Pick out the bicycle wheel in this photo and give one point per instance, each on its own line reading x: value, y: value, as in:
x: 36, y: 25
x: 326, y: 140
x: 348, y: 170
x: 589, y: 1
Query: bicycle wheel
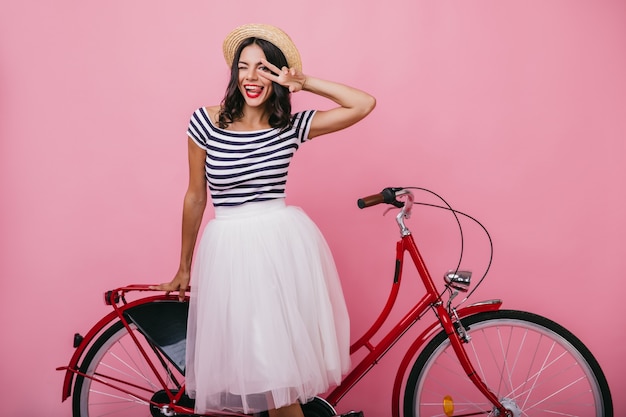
x: 535, y: 366
x: 115, y: 359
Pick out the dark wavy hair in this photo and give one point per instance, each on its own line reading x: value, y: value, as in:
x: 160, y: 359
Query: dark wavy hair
x: 278, y: 104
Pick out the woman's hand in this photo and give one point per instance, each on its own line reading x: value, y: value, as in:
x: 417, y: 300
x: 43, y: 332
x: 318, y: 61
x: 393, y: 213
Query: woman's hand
x: 291, y: 78
x: 354, y: 104
x: 180, y: 283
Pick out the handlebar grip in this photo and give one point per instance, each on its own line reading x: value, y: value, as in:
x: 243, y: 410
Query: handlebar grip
x: 370, y: 201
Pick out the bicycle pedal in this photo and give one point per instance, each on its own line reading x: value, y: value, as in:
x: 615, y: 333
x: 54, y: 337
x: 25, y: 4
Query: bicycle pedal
x: 352, y: 414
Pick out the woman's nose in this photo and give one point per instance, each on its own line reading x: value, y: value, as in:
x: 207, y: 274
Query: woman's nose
x: 251, y: 74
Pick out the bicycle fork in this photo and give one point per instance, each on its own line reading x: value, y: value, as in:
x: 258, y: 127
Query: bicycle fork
x: 458, y: 336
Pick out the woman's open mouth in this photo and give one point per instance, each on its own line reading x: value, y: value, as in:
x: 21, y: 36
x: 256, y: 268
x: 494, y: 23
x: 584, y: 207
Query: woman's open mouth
x: 253, y: 91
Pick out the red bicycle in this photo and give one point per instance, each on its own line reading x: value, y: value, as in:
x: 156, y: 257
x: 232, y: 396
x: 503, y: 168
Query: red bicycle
x: 474, y: 360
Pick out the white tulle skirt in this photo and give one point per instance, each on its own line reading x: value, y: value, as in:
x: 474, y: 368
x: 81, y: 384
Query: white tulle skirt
x: 268, y: 324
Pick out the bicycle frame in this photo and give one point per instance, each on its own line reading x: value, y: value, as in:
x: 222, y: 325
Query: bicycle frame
x: 376, y: 352
x: 431, y: 299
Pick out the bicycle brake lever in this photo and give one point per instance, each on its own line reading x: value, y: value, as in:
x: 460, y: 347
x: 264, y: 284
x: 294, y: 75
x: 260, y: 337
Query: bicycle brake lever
x: 399, y: 205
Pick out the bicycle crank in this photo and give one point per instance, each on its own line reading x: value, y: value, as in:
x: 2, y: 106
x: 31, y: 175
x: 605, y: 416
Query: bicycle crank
x: 161, y: 397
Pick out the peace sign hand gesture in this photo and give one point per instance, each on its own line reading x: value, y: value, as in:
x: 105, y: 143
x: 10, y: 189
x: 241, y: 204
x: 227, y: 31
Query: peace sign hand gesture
x: 291, y: 78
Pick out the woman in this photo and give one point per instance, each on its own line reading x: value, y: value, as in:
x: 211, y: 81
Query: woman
x: 268, y: 327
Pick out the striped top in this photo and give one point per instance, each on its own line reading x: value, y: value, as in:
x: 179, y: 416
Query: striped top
x: 247, y: 166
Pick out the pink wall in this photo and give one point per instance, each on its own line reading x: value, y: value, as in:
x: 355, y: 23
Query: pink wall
x: 513, y: 110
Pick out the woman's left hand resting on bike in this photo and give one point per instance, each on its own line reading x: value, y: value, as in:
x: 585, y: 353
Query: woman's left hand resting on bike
x: 180, y: 283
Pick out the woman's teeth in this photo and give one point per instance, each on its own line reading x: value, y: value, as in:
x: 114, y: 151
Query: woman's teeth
x: 253, y: 90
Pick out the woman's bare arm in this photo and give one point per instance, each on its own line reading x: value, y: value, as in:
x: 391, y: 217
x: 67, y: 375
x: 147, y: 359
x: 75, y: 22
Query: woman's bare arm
x: 193, y: 210
x: 353, y: 104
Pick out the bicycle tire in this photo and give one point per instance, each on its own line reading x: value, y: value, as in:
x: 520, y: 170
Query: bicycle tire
x: 116, y: 355
x: 534, y: 366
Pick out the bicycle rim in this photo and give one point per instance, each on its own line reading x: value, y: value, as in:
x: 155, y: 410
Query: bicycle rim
x: 533, y: 365
x: 116, y: 359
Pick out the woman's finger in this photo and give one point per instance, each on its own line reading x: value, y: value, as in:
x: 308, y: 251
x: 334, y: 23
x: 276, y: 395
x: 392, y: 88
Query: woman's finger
x: 269, y: 76
x: 167, y: 287
x: 159, y: 287
x: 271, y: 66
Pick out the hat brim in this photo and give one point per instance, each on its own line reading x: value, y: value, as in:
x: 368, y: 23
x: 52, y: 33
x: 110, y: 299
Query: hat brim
x: 266, y: 32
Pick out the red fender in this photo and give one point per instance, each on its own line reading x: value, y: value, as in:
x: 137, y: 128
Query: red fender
x: 491, y: 305
x: 73, y: 366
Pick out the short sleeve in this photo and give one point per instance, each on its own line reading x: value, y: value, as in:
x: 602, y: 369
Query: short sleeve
x: 302, y: 124
x: 198, y: 128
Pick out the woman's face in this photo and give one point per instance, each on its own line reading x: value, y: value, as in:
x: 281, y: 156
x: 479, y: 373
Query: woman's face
x: 254, y: 88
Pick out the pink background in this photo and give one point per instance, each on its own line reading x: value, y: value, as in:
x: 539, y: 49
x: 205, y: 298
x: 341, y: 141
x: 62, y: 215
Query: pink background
x: 515, y: 111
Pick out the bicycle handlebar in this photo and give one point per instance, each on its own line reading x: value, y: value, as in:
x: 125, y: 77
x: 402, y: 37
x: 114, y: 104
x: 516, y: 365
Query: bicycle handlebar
x: 390, y: 196
x: 387, y: 196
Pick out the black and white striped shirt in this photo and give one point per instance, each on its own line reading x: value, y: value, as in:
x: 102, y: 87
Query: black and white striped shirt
x: 247, y: 166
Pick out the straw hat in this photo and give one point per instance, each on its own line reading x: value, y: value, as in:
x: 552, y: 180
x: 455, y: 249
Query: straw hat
x: 266, y: 32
